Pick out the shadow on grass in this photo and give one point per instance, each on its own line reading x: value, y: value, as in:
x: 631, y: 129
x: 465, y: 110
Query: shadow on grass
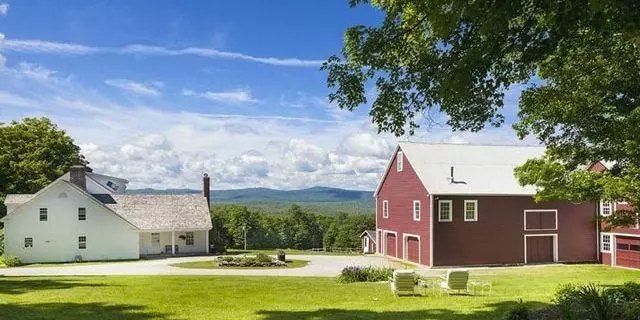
x: 20, y: 286
x: 76, y: 311
x: 492, y: 311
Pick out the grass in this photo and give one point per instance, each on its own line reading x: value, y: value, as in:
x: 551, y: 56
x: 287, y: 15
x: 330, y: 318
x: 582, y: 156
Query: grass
x: 212, y: 264
x: 288, y: 298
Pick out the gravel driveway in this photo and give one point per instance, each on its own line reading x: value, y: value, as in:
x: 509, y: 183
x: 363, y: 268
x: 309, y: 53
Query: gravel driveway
x: 319, y: 266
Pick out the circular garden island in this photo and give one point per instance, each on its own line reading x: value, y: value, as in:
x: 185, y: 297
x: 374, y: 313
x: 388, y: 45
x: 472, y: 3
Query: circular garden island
x: 259, y: 261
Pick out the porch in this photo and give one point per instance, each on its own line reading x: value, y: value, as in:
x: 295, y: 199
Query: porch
x: 174, y: 242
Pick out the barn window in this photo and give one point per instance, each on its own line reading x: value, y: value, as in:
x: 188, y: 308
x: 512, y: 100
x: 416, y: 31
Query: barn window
x: 82, y: 214
x: 28, y: 242
x: 189, y: 239
x: 82, y: 242
x: 399, y: 161
x: 605, y: 242
x: 416, y: 210
x: 44, y: 214
x: 385, y: 209
x: 445, y: 210
x: 606, y: 208
x: 622, y: 246
x: 471, y: 210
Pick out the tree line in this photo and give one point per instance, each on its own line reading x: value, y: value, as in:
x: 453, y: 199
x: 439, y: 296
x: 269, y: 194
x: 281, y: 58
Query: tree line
x: 296, y: 228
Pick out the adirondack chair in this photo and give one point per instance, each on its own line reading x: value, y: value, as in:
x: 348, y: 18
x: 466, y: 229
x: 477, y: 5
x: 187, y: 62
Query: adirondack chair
x: 455, y: 280
x: 403, y: 282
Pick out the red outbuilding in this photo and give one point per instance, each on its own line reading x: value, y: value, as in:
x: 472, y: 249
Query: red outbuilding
x: 460, y: 205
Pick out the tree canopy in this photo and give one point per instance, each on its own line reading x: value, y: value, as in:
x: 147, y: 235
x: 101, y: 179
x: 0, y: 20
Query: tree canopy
x: 578, y: 59
x: 33, y: 153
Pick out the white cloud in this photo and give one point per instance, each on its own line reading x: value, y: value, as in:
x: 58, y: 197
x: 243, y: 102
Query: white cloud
x: 235, y: 96
x: 41, y: 46
x: 34, y: 71
x: 4, y: 8
x: 2, y: 36
x: 3, y: 61
x: 136, y: 87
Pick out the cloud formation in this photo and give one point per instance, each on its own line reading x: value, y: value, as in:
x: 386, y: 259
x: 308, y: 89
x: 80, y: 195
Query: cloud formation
x: 136, y: 87
x: 4, y: 8
x: 235, y: 96
x: 51, y: 47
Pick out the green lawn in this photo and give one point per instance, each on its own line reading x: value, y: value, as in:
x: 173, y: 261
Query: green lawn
x: 288, y: 298
x: 213, y: 264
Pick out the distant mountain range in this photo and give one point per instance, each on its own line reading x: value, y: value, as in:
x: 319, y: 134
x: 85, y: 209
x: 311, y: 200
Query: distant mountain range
x: 317, y: 198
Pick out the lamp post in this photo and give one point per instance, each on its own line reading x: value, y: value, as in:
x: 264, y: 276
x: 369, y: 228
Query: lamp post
x: 244, y: 229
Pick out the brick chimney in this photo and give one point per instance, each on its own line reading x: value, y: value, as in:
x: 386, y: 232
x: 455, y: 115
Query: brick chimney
x: 206, y: 188
x: 77, y: 176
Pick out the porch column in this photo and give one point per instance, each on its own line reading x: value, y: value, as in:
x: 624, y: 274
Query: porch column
x: 173, y: 242
x: 206, y: 235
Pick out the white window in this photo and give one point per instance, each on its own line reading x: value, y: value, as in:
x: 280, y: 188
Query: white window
x: 82, y: 214
x: 385, y: 209
x: 445, y: 210
x: 471, y: 210
x: 28, y: 242
x: 189, y: 239
x: 82, y: 242
x: 605, y: 242
x: 44, y: 214
x: 606, y: 208
x: 155, y: 239
x: 416, y: 210
x: 399, y: 161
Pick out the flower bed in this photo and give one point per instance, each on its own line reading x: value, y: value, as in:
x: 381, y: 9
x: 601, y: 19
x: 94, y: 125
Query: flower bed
x: 260, y: 260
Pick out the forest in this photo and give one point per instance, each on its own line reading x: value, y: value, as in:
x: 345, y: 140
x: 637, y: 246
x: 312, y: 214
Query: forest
x: 296, y: 228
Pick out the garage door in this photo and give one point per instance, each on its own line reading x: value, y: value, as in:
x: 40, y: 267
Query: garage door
x: 628, y: 252
x: 413, y: 249
x: 539, y: 249
x: 391, y: 245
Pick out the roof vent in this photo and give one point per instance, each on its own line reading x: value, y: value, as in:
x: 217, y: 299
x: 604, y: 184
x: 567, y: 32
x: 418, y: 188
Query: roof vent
x: 453, y: 180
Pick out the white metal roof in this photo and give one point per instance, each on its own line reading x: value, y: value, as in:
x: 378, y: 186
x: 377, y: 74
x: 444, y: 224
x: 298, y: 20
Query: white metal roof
x: 484, y: 169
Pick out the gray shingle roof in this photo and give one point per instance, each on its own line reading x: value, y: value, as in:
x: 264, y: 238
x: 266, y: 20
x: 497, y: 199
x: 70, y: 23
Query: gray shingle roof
x: 161, y: 212
x: 18, y: 198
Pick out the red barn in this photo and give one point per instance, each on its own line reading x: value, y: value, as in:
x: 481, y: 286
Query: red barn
x: 620, y: 246
x: 457, y: 205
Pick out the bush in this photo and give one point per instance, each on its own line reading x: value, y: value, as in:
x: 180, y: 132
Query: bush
x: 364, y: 274
x: 519, y: 312
x: 260, y: 261
x: 11, y: 261
x: 586, y: 302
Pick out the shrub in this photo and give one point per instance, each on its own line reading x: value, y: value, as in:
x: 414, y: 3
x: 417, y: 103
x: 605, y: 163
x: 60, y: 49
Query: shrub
x: 519, y: 312
x: 364, y: 274
x: 11, y: 261
x: 261, y: 260
x: 585, y: 302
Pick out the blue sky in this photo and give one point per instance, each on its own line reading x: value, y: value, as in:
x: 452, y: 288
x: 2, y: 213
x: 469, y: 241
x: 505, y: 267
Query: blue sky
x: 160, y: 91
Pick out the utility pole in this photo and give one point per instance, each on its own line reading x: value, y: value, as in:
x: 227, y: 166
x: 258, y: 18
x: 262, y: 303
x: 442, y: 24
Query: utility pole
x: 244, y: 229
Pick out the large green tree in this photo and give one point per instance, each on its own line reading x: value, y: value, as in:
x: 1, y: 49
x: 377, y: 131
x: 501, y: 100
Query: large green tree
x: 459, y: 57
x: 33, y: 153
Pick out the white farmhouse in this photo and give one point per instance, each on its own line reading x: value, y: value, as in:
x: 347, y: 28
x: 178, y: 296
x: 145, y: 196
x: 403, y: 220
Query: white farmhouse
x: 87, y: 216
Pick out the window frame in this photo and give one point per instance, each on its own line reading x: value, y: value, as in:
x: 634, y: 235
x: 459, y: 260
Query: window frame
x: 400, y: 161
x: 82, y: 242
x: 609, y: 242
x: 82, y: 214
x: 28, y: 242
x: 44, y: 212
x: 419, y: 210
x: 450, y: 202
x: 475, y: 213
x: 612, y: 208
x: 385, y: 209
x: 189, y: 235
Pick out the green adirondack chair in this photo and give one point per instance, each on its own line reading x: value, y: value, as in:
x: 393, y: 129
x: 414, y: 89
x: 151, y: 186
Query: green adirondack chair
x: 403, y: 282
x: 455, y: 280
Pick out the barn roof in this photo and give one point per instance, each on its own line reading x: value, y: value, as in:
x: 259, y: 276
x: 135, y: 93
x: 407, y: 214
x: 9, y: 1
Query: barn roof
x: 478, y: 169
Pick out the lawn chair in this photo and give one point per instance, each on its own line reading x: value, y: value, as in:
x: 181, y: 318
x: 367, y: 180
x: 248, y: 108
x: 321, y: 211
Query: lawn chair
x: 455, y: 280
x: 403, y: 282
